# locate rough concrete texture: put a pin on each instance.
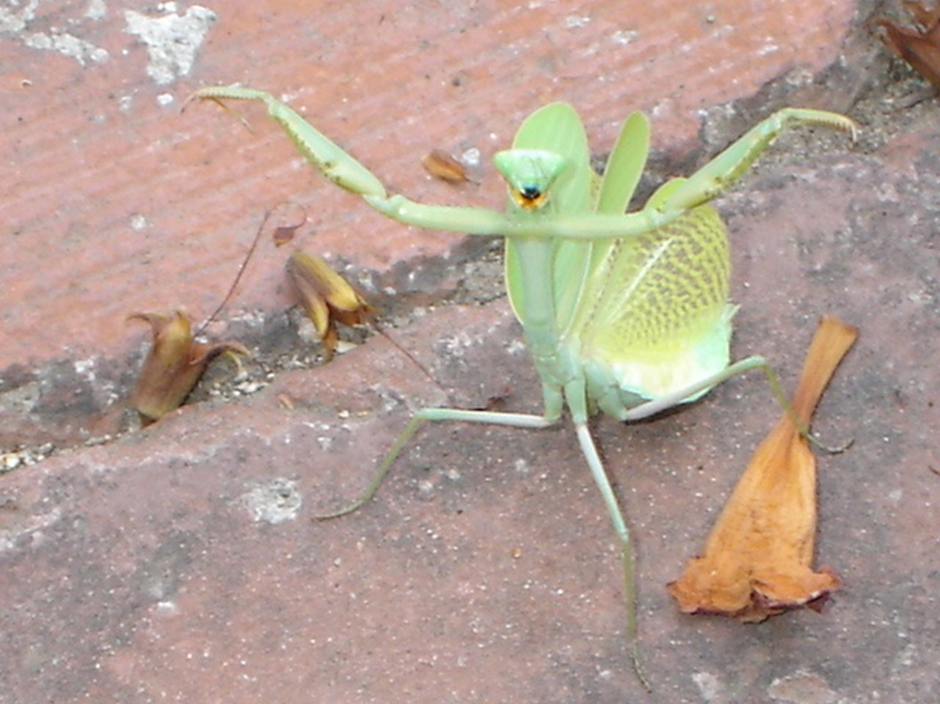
(181, 563)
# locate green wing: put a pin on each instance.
(655, 314)
(625, 165)
(557, 128)
(615, 189)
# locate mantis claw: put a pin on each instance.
(726, 168)
(332, 161)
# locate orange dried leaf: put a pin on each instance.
(326, 297)
(926, 18)
(918, 46)
(442, 165)
(173, 365)
(758, 557)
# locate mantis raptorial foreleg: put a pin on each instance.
(726, 168)
(332, 161)
(348, 173)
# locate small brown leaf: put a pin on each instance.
(327, 298)
(758, 556)
(173, 365)
(918, 46)
(284, 234)
(442, 165)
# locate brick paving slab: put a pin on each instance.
(115, 203)
(181, 564)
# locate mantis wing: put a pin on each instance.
(557, 128)
(625, 165)
(659, 319)
(621, 175)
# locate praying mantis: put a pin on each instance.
(624, 313)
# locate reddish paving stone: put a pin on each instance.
(485, 570)
(116, 203)
(181, 564)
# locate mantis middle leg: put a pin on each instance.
(553, 407)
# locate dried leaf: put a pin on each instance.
(173, 365)
(284, 234)
(327, 298)
(918, 46)
(442, 165)
(758, 557)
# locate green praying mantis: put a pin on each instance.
(624, 313)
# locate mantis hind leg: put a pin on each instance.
(658, 405)
(651, 408)
(576, 394)
(589, 451)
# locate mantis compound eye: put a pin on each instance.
(529, 197)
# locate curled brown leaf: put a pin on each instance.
(326, 297)
(758, 556)
(442, 165)
(919, 45)
(173, 365)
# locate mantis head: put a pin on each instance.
(529, 173)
